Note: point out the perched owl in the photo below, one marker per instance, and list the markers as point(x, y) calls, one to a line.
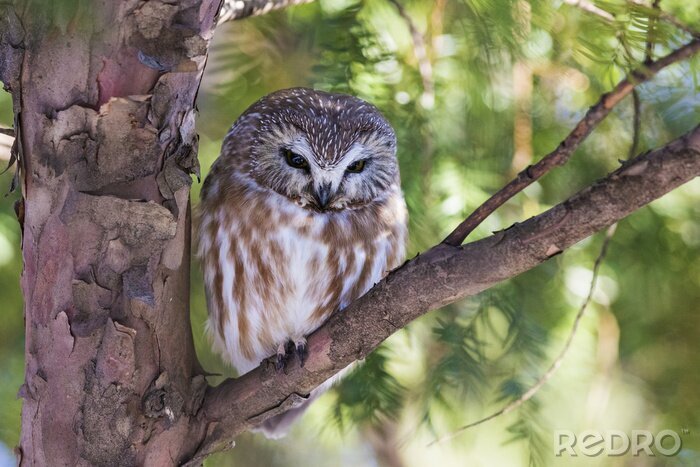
point(301, 214)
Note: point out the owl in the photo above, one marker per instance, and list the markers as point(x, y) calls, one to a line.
point(301, 214)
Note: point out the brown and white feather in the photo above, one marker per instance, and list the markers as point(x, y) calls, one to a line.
point(276, 266)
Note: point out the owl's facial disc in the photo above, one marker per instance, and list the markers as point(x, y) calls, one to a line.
point(350, 177)
point(323, 179)
point(357, 178)
point(324, 152)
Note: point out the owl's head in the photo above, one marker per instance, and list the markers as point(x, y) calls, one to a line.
point(323, 151)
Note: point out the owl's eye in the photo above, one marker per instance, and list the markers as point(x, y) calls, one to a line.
point(295, 160)
point(356, 167)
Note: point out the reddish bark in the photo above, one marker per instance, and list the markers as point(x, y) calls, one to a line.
point(104, 95)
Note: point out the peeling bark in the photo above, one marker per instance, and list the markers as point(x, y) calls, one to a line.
point(104, 95)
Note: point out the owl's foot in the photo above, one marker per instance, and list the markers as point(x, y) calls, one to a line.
point(302, 350)
point(287, 350)
point(284, 353)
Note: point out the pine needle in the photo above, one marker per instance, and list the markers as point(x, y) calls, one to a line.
point(557, 362)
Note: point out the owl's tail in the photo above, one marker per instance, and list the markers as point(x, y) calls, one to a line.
point(278, 426)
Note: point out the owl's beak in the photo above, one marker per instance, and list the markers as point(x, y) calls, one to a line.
point(323, 195)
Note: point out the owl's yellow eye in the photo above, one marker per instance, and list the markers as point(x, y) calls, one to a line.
point(295, 160)
point(356, 167)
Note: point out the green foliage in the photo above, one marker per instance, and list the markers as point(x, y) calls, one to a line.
point(633, 363)
point(369, 403)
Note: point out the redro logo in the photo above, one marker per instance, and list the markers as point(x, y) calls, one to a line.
point(592, 443)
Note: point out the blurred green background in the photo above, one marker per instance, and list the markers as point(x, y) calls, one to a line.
point(506, 81)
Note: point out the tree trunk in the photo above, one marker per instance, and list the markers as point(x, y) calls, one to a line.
point(104, 95)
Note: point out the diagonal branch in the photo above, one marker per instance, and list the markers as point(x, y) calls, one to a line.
point(238, 9)
point(442, 275)
point(589, 7)
point(608, 17)
point(566, 148)
point(667, 17)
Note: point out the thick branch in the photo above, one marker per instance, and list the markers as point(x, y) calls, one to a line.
point(443, 275)
point(238, 9)
point(566, 148)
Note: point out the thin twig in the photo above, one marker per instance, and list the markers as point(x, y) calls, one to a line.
point(238, 9)
point(527, 395)
point(563, 152)
point(608, 17)
point(7, 131)
point(425, 67)
point(636, 123)
point(669, 18)
point(649, 46)
point(679, 24)
point(588, 7)
point(636, 101)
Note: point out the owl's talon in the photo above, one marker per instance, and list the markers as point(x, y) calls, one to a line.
point(280, 361)
point(302, 351)
point(284, 353)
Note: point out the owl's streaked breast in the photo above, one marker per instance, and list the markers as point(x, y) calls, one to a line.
point(275, 271)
